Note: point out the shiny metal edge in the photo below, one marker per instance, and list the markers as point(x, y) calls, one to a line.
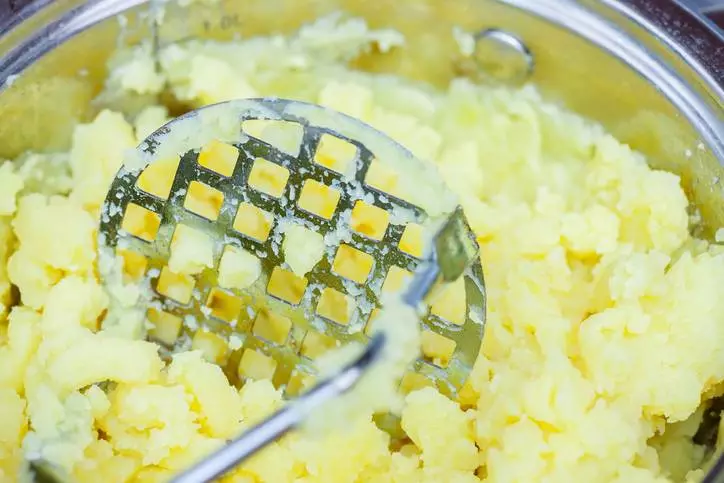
point(645, 13)
point(69, 24)
point(689, 26)
point(580, 20)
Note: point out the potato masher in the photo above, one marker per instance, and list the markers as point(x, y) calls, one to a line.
point(451, 253)
point(303, 145)
point(289, 164)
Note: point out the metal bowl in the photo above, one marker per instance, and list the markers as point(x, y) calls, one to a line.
point(651, 71)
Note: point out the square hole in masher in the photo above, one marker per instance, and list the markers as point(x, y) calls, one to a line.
point(437, 349)
point(335, 153)
point(268, 177)
point(256, 365)
point(223, 305)
point(165, 327)
point(253, 222)
point(316, 344)
point(219, 157)
point(395, 279)
point(134, 264)
point(318, 199)
point(272, 327)
point(286, 285)
point(191, 250)
point(369, 220)
point(175, 286)
point(157, 178)
point(204, 200)
point(383, 178)
point(141, 222)
point(352, 264)
point(335, 306)
point(412, 241)
point(213, 347)
point(286, 136)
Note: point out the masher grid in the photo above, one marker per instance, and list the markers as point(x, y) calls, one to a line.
point(385, 252)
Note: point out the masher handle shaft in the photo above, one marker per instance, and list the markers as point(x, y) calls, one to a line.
point(283, 420)
point(294, 413)
point(421, 284)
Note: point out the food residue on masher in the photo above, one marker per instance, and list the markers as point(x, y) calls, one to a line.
point(192, 251)
point(238, 269)
point(303, 248)
point(604, 321)
point(377, 391)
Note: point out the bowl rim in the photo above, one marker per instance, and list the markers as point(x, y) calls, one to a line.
point(684, 31)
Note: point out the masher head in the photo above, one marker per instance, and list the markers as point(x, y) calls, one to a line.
point(246, 174)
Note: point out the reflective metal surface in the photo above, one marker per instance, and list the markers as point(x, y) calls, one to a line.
point(455, 251)
point(651, 71)
point(503, 56)
point(284, 420)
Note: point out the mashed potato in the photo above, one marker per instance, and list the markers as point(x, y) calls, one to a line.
point(604, 329)
point(303, 248)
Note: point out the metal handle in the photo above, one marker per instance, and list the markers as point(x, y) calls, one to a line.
point(283, 420)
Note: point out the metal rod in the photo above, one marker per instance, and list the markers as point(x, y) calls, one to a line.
point(283, 420)
point(421, 284)
point(290, 416)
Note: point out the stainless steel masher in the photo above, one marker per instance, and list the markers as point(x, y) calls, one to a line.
point(306, 166)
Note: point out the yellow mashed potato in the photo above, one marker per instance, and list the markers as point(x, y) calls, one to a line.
point(604, 328)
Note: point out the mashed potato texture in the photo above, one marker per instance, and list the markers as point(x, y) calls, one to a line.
point(191, 251)
point(605, 323)
point(303, 248)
